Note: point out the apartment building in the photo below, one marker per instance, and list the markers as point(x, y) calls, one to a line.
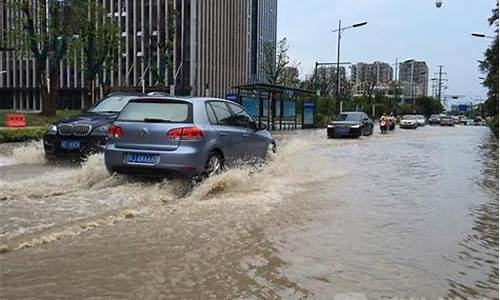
point(370, 77)
point(414, 78)
point(217, 44)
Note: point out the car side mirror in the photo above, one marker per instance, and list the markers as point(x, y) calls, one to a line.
point(261, 127)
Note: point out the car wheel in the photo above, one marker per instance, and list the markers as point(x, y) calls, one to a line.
point(274, 148)
point(368, 132)
point(214, 164)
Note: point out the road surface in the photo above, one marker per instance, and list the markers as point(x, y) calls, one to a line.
point(408, 214)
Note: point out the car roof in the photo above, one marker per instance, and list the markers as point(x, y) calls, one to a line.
point(181, 98)
point(352, 112)
point(124, 94)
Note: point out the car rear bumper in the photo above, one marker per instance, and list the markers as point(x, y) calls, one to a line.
point(186, 161)
point(408, 126)
point(335, 132)
point(88, 144)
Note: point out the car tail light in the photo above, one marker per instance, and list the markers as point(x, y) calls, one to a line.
point(115, 132)
point(185, 134)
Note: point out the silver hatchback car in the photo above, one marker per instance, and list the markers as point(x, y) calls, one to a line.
point(186, 136)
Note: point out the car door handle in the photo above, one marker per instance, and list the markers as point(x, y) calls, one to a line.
point(245, 135)
point(222, 134)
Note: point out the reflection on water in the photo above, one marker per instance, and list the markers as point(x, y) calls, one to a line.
point(415, 215)
point(479, 249)
point(409, 214)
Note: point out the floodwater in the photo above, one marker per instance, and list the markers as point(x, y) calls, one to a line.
point(408, 214)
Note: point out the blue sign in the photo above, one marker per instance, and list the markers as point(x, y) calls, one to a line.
point(251, 105)
point(308, 113)
point(463, 108)
point(232, 97)
point(288, 109)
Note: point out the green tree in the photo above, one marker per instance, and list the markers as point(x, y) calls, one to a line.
point(43, 30)
point(290, 77)
point(427, 106)
point(164, 42)
point(489, 66)
point(323, 80)
point(98, 37)
point(276, 60)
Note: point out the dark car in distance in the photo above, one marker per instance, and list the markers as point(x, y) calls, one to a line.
point(435, 119)
point(86, 133)
point(350, 124)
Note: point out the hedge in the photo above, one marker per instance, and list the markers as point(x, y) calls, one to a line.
point(494, 125)
point(35, 119)
point(9, 135)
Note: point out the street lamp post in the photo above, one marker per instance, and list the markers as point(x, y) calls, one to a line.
point(339, 36)
point(482, 35)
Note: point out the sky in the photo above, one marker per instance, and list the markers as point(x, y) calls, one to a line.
point(403, 29)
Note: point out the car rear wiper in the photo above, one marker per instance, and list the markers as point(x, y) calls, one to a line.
point(153, 120)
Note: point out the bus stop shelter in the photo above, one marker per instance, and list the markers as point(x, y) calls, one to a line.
point(279, 107)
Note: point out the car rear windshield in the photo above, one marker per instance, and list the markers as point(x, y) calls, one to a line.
point(349, 117)
point(112, 104)
point(157, 112)
point(408, 117)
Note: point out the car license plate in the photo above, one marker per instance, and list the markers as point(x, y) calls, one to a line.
point(141, 158)
point(70, 144)
point(342, 130)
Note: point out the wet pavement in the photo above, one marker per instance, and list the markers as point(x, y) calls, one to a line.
point(408, 214)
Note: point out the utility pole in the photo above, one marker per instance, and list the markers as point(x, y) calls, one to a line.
point(396, 83)
point(338, 64)
point(434, 87)
point(440, 82)
point(413, 84)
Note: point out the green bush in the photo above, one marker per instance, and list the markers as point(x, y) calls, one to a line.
point(494, 125)
point(35, 119)
point(9, 135)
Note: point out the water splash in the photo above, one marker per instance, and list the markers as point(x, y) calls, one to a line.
point(69, 194)
point(32, 153)
point(266, 182)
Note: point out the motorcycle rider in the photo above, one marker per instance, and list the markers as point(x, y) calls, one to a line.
point(384, 118)
point(392, 122)
point(384, 122)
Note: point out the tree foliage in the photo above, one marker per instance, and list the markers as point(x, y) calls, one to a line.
point(164, 42)
point(427, 106)
point(50, 30)
point(98, 38)
point(276, 60)
point(290, 77)
point(489, 66)
point(42, 30)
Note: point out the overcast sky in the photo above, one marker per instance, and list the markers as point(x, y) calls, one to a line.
point(400, 29)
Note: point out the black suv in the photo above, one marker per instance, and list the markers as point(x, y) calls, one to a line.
point(86, 133)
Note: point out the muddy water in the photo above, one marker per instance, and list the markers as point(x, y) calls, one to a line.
point(414, 213)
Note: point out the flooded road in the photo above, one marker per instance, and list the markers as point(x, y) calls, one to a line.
point(409, 214)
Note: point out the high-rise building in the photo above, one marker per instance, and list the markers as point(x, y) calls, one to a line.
point(263, 24)
point(414, 78)
point(367, 78)
point(217, 44)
